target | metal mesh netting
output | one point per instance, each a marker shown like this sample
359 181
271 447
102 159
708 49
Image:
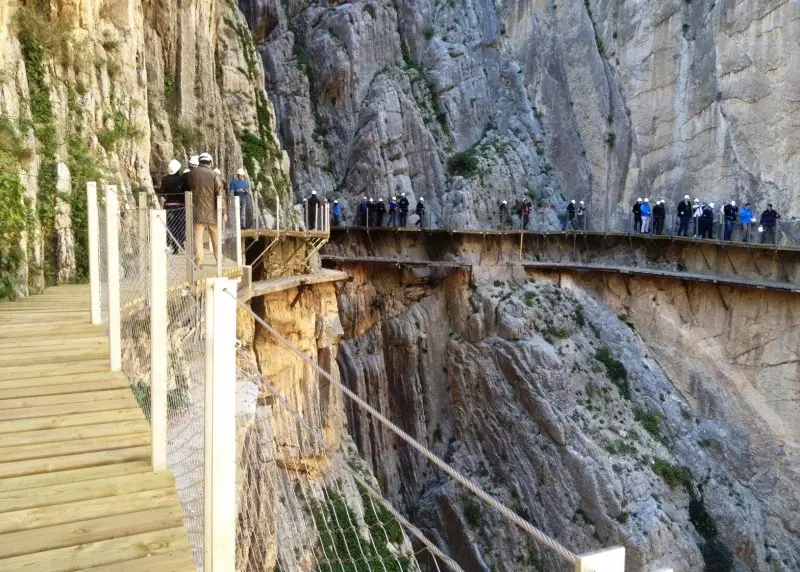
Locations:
303 505
229 229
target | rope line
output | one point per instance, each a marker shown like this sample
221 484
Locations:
534 532
358 478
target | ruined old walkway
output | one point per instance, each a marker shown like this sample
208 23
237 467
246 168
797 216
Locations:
76 487
737 264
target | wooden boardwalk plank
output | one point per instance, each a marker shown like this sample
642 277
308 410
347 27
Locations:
44 382
71 408
53 356
61 493
90 530
77 397
36 371
37 424
178 561
67 462
74 447
72 433
102 553
47 516
27 345
49 480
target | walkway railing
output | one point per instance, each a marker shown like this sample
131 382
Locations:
284 503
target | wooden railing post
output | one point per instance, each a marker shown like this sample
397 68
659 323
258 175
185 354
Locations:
94 252
143 216
220 233
237 233
158 338
607 560
189 240
112 248
220 426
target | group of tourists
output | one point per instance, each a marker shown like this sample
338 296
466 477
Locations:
372 213
205 184
700 216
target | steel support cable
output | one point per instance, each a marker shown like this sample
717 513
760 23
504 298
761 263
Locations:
357 477
534 532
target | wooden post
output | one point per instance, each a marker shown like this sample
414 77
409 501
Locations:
188 244
158 337
220 426
94 260
143 215
112 248
237 211
220 232
608 560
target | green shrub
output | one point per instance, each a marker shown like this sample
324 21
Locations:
122 128
650 420
529 298
473 513
578 316
428 32
673 475
615 370
464 164
620 447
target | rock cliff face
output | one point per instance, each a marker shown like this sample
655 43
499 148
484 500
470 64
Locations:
554 403
111 90
468 102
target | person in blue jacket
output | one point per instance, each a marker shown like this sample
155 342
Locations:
393 212
746 218
645 211
336 211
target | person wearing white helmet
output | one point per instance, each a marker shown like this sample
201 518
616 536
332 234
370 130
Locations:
580 215
659 215
313 212
393 212
503 214
729 214
707 221
421 212
402 210
569 218
637 215
697 212
194 161
336 211
240 187
205 186
645 211
174 201
684 216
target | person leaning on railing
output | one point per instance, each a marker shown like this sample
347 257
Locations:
205 186
769 220
746 218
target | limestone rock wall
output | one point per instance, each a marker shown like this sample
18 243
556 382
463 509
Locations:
505 380
597 100
111 90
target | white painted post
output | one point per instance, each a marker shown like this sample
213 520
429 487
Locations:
188 244
143 215
112 247
220 426
277 212
220 232
607 560
94 250
237 211
158 337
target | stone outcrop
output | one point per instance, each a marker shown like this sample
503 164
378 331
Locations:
593 432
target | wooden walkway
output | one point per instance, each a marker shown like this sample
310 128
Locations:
76 488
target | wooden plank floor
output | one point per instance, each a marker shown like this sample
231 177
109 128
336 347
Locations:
76 488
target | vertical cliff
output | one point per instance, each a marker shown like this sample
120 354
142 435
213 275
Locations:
111 90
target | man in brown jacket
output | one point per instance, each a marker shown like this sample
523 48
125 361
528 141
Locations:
206 186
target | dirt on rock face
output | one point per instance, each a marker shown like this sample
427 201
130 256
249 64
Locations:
575 418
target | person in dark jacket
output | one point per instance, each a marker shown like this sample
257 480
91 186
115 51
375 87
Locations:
363 211
421 212
769 220
313 212
380 211
205 186
729 213
706 221
171 192
503 214
684 215
570 218
637 215
402 210
659 216
371 211
580 216
526 213
393 212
